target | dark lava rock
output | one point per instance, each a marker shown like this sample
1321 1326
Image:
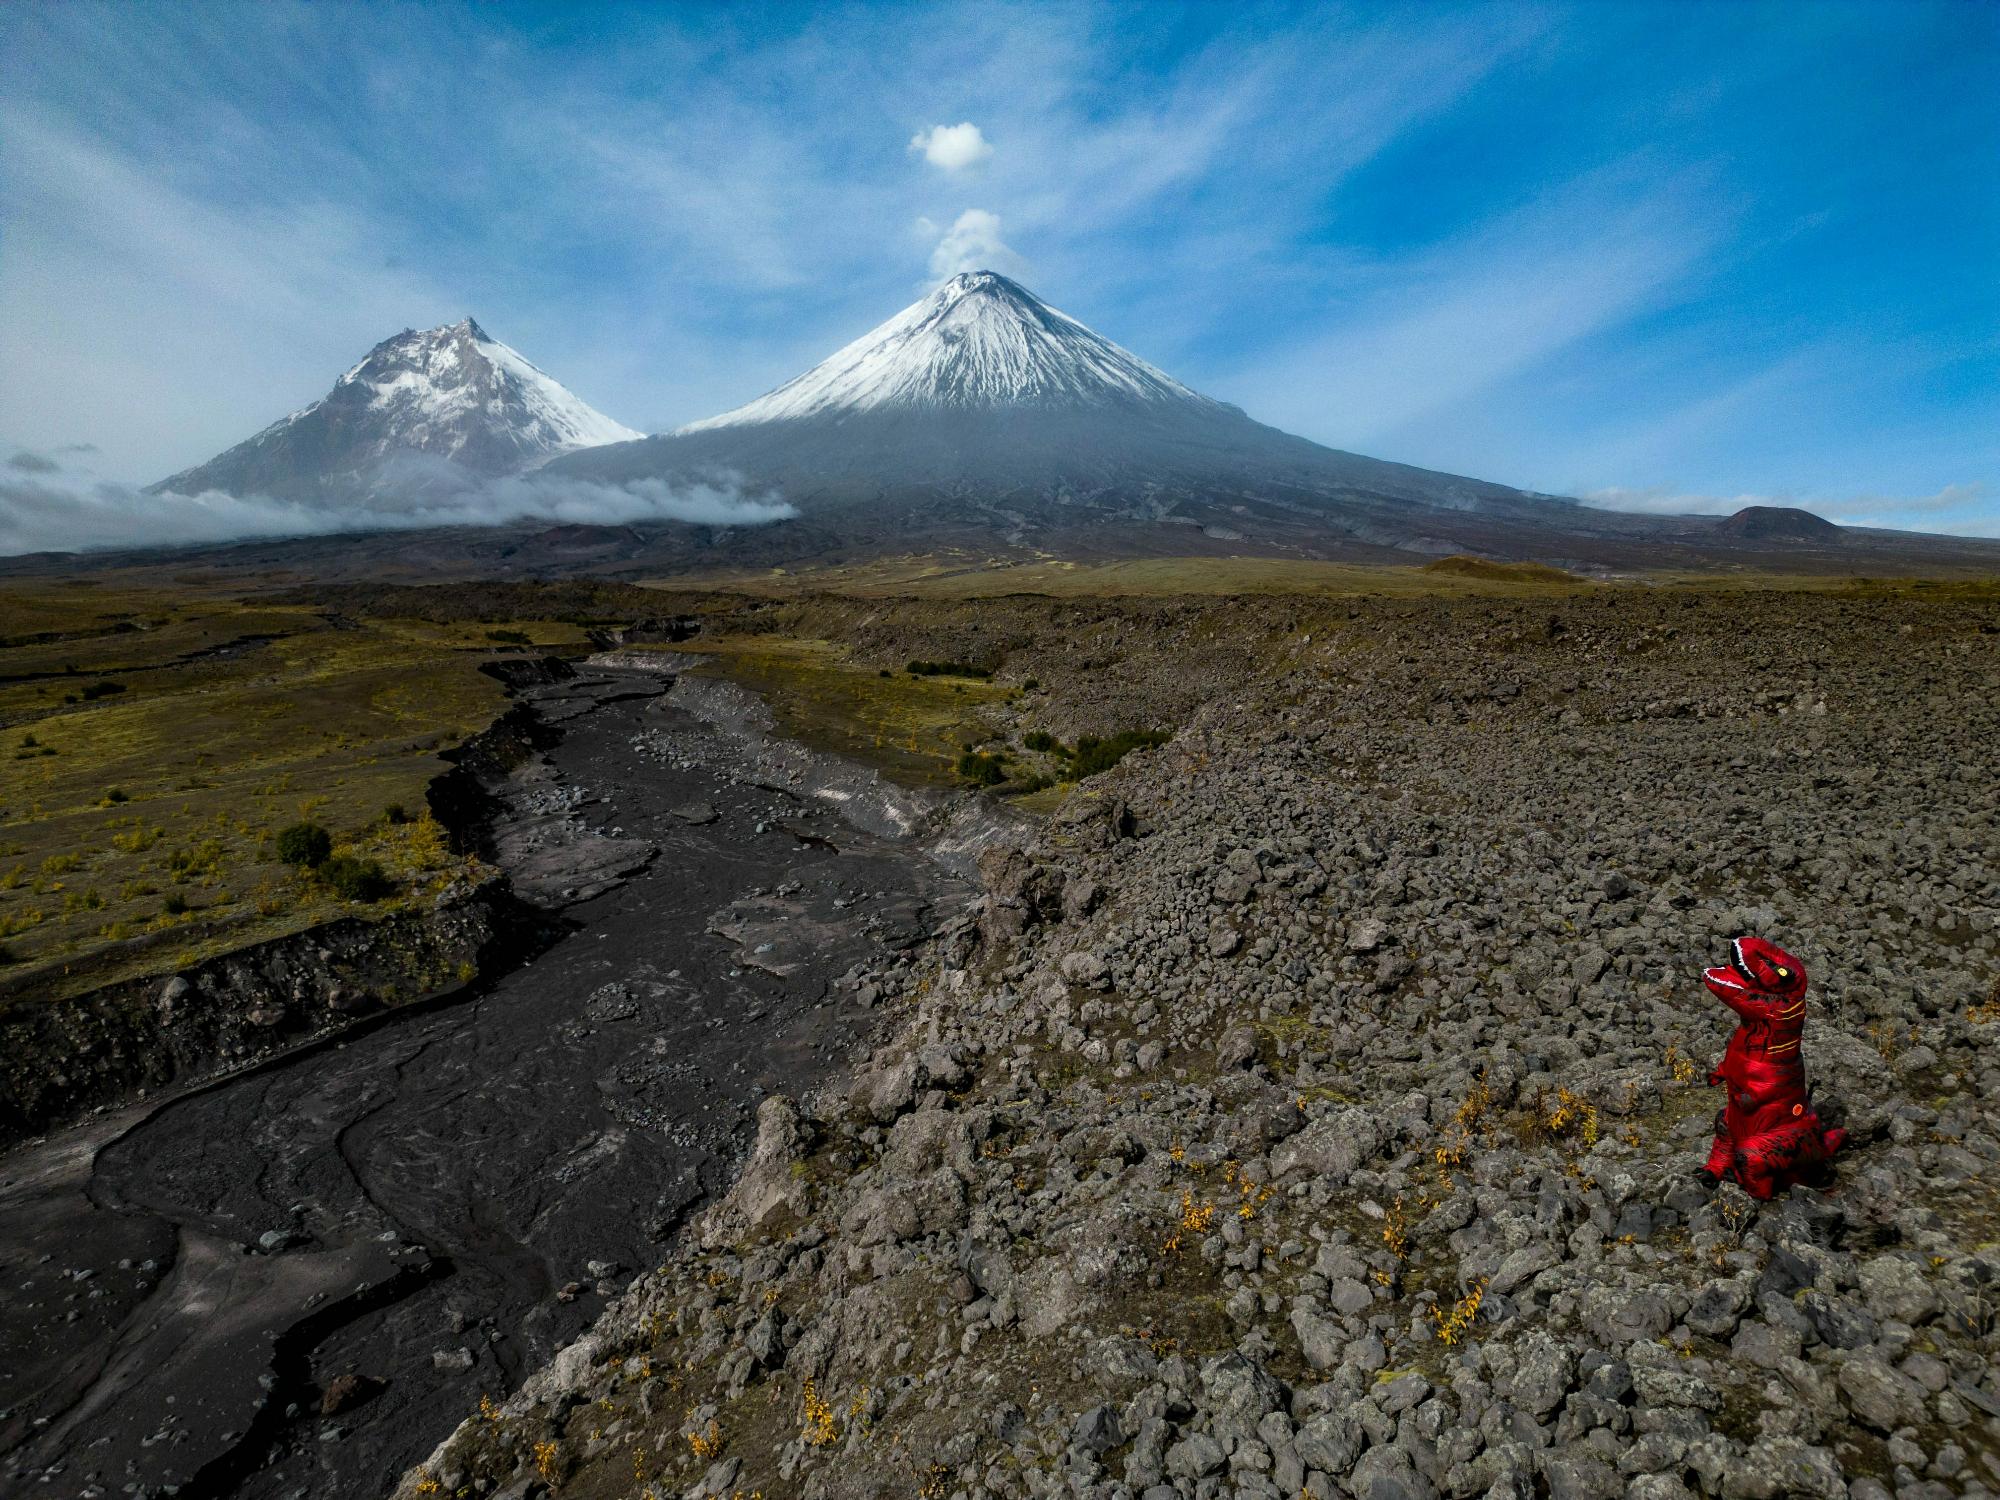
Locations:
1097 1430
345 1392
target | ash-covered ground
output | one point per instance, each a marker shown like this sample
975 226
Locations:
1315 1107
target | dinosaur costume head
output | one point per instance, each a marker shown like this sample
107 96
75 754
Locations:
1757 971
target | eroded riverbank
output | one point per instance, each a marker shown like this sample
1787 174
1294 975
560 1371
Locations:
440 1202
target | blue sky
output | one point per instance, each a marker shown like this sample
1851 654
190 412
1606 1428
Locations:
1676 256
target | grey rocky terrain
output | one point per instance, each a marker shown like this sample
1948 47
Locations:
1312 1104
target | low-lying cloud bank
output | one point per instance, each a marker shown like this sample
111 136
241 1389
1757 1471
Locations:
47 505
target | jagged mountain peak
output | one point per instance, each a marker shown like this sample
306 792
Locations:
453 393
978 341
465 330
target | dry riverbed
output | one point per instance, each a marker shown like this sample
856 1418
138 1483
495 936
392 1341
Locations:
290 1281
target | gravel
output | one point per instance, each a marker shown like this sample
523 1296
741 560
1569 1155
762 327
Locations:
1343 1142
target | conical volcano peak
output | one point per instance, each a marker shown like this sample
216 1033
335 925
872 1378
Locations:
982 405
989 283
465 330
976 294
981 281
978 342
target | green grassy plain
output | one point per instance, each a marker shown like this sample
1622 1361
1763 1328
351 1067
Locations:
137 824
933 576
915 728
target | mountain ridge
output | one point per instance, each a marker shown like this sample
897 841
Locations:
978 422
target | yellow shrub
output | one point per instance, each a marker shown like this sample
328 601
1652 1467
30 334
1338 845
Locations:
1451 1323
818 1431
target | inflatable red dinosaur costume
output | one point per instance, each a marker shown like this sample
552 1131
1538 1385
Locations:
1767 1135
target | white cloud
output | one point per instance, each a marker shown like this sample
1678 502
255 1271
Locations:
973 243
76 512
953 147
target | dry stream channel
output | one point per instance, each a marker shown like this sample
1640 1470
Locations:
439 1202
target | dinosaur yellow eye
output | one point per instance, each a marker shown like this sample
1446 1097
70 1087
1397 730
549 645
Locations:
1783 972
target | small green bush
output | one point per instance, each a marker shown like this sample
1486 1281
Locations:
1093 755
1041 739
175 904
116 794
305 844
95 690
204 859
395 814
981 770
356 879
511 637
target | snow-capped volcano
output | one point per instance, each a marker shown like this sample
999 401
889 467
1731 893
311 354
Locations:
977 425
452 395
981 399
978 341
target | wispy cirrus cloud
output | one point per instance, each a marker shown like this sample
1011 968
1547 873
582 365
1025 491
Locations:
1428 335
670 224
1386 227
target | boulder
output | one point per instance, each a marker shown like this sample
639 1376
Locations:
1544 1370
345 1392
1895 1289
1331 1146
1880 1397
769 1185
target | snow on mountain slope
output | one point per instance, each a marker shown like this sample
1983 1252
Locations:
979 340
452 394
